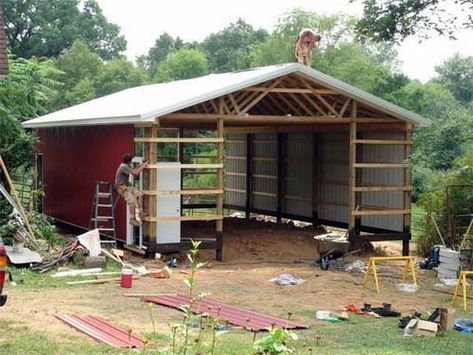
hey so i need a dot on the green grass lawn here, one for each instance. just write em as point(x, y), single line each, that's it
point(359, 335)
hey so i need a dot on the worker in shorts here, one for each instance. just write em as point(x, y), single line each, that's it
point(133, 198)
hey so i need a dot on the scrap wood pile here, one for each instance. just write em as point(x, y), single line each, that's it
point(58, 257)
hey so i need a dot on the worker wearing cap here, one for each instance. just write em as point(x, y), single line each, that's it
point(127, 191)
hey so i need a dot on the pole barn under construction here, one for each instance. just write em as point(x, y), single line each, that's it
point(287, 141)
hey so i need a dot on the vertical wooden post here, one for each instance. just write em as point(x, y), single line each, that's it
point(220, 180)
point(145, 185)
point(280, 174)
point(352, 172)
point(407, 194)
point(249, 173)
point(180, 158)
point(358, 182)
point(315, 178)
point(152, 186)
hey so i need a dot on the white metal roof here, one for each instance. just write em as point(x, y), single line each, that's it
point(145, 103)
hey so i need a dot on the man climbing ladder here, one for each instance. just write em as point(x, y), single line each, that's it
point(127, 191)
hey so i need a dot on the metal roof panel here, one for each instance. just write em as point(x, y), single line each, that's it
point(145, 103)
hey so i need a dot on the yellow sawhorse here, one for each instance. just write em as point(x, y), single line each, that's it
point(409, 268)
point(462, 281)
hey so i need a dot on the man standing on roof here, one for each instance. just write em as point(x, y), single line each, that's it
point(127, 191)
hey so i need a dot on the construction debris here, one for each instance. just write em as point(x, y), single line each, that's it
point(18, 254)
point(59, 257)
point(95, 261)
point(103, 331)
point(286, 279)
point(77, 272)
point(408, 288)
point(464, 325)
point(238, 316)
point(97, 281)
point(161, 274)
point(421, 327)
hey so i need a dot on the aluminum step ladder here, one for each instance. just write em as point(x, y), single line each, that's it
point(103, 213)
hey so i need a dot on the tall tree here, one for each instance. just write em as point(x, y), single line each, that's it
point(163, 45)
point(44, 28)
point(230, 48)
point(26, 93)
point(456, 74)
point(118, 74)
point(394, 20)
point(183, 64)
point(80, 67)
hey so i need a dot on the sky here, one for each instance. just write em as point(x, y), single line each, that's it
point(142, 21)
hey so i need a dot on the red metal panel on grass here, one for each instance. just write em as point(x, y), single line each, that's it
point(238, 316)
point(102, 331)
point(73, 159)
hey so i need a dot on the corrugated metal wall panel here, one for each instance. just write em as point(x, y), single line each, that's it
point(235, 169)
point(390, 199)
point(73, 159)
point(333, 157)
point(264, 188)
point(298, 171)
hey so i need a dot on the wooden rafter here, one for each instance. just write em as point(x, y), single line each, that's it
point(260, 96)
point(236, 108)
point(301, 104)
point(247, 99)
point(214, 106)
point(289, 104)
point(344, 107)
point(314, 104)
point(277, 104)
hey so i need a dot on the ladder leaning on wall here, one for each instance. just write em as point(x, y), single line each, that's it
point(103, 213)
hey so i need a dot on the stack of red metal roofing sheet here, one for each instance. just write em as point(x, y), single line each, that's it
point(227, 313)
point(103, 331)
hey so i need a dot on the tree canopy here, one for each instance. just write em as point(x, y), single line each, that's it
point(46, 28)
point(394, 20)
point(183, 64)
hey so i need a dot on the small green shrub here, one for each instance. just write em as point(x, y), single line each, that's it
point(276, 342)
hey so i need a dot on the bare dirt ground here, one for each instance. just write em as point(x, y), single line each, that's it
point(254, 252)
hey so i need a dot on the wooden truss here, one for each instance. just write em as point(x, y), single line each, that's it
point(285, 104)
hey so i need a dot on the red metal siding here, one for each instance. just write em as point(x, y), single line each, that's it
point(238, 316)
point(102, 331)
point(73, 159)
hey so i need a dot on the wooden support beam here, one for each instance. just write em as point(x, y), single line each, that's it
point(344, 108)
point(249, 173)
point(383, 141)
point(352, 177)
point(276, 103)
point(260, 96)
point(236, 108)
point(268, 119)
point(184, 218)
point(281, 141)
point(152, 184)
point(407, 193)
point(314, 105)
point(289, 104)
point(178, 140)
point(301, 104)
point(184, 192)
point(220, 181)
point(385, 212)
point(381, 165)
point(382, 188)
point(185, 166)
point(352, 171)
point(291, 90)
